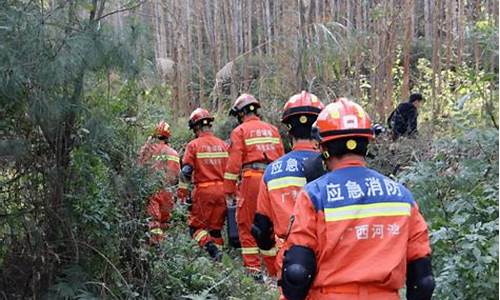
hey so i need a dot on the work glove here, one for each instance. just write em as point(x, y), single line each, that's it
point(186, 202)
point(378, 129)
point(230, 200)
point(182, 194)
point(189, 203)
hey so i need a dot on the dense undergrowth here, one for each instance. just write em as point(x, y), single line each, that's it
point(175, 269)
point(453, 178)
point(180, 269)
point(457, 190)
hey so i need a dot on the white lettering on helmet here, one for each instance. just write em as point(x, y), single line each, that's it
point(350, 121)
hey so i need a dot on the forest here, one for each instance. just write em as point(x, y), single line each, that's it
point(83, 84)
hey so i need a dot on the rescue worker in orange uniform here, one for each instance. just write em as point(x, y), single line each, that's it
point(160, 157)
point(355, 234)
point(203, 164)
point(254, 144)
point(284, 178)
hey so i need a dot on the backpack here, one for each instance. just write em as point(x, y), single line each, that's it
point(391, 121)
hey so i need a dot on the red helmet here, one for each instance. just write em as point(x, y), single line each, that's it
point(243, 101)
point(304, 103)
point(344, 118)
point(162, 129)
point(199, 115)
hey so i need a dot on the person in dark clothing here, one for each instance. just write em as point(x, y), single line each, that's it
point(315, 167)
point(403, 120)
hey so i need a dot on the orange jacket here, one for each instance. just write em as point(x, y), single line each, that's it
point(281, 184)
point(146, 151)
point(161, 157)
point(207, 154)
point(363, 227)
point(252, 141)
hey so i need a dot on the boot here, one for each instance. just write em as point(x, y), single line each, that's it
point(213, 251)
point(258, 277)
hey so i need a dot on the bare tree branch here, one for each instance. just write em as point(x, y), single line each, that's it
point(123, 9)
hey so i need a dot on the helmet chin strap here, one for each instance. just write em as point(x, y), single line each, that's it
point(325, 154)
point(163, 139)
point(240, 117)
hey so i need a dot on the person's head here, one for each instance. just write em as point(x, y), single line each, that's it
point(299, 113)
point(345, 129)
point(244, 105)
point(416, 99)
point(162, 131)
point(200, 120)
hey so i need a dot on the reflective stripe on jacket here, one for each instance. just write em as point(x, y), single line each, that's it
point(282, 181)
point(252, 141)
point(161, 157)
point(207, 154)
point(363, 227)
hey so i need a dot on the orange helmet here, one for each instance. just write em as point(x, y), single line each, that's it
point(199, 115)
point(243, 101)
point(162, 129)
point(343, 118)
point(304, 103)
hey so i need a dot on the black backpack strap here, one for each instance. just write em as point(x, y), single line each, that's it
point(314, 168)
point(389, 120)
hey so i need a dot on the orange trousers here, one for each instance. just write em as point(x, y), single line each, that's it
point(159, 207)
point(247, 204)
point(353, 292)
point(280, 255)
point(208, 212)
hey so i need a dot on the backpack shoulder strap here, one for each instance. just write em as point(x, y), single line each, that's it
point(391, 116)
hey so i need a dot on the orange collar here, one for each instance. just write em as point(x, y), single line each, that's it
point(250, 118)
point(349, 162)
point(304, 146)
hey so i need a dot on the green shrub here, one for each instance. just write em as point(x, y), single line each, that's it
point(457, 190)
point(179, 268)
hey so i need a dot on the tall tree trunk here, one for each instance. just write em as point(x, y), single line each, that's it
point(268, 26)
point(428, 13)
point(477, 49)
point(333, 8)
point(259, 31)
point(217, 36)
point(409, 8)
point(241, 26)
point(201, 56)
point(316, 11)
point(449, 30)
point(300, 74)
point(209, 22)
point(494, 54)
point(188, 60)
point(226, 30)
point(357, 54)
point(436, 68)
point(176, 80)
point(377, 40)
point(170, 30)
point(460, 31)
point(231, 42)
point(327, 11)
point(359, 18)
point(160, 33)
point(349, 13)
point(248, 50)
point(234, 4)
point(390, 58)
